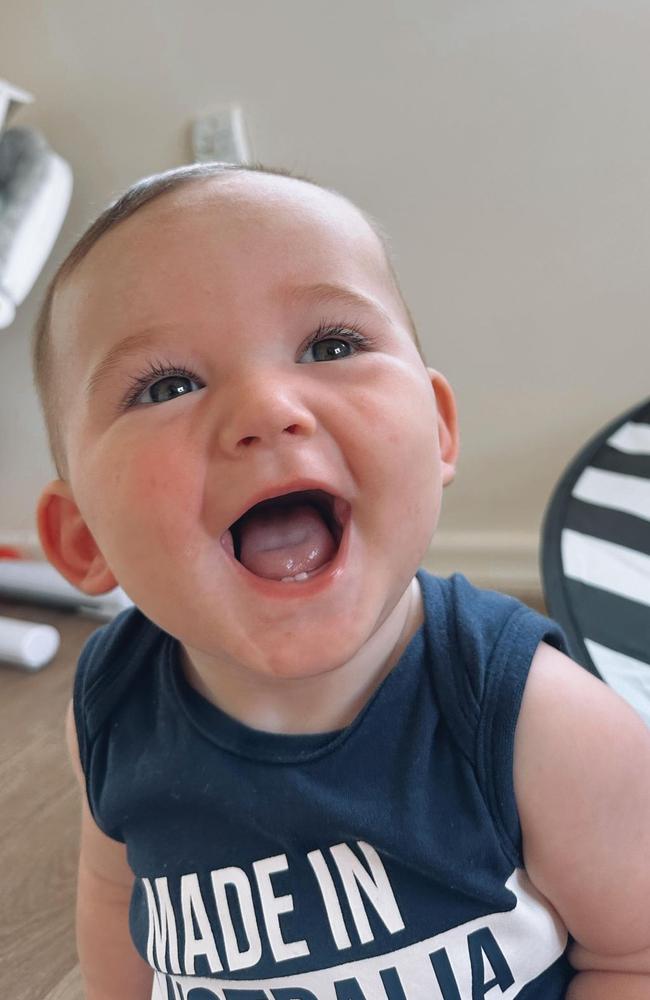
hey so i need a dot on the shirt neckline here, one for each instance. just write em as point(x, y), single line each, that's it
point(237, 738)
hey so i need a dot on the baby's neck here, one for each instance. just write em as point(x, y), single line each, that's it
point(322, 703)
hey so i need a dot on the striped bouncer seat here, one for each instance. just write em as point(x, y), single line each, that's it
point(595, 556)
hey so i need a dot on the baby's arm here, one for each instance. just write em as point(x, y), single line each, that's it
point(582, 782)
point(111, 967)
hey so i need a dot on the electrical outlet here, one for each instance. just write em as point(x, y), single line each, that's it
point(220, 135)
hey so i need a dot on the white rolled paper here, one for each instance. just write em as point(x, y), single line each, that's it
point(27, 644)
point(39, 583)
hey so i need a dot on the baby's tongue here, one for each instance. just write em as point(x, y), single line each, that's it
point(284, 540)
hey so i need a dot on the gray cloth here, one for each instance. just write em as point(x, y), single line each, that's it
point(23, 169)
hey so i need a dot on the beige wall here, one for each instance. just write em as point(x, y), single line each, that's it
point(505, 147)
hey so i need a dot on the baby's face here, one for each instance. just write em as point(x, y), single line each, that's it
point(233, 342)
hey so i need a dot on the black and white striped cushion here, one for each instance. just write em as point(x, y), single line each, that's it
point(596, 556)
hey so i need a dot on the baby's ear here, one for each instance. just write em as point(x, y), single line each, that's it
point(68, 543)
point(448, 432)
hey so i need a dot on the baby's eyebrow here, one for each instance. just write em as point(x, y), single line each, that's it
point(324, 292)
point(317, 294)
point(132, 344)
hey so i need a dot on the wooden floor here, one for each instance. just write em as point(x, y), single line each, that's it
point(39, 807)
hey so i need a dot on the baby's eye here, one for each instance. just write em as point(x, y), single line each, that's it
point(166, 388)
point(329, 349)
point(160, 384)
point(331, 344)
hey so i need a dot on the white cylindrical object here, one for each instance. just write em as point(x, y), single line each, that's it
point(27, 579)
point(27, 644)
point(39, 583)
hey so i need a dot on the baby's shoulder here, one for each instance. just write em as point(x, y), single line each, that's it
point(475, 621)
point(581, 765)
point(481, 644)
point(111, 662)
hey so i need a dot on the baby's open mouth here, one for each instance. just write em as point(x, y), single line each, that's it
point(289, 537)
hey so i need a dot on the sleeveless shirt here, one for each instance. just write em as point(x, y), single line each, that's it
point(379, 862)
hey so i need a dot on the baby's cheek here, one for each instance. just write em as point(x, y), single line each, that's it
point(421, 474)
point(406, 481)
point(132, 494)
point(163, 488)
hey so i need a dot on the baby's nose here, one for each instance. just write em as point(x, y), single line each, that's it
point(261, 411)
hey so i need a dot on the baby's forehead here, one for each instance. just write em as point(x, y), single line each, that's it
point(243, 203)
point(241, 208)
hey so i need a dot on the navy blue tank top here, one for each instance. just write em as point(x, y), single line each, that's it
point(380, 862)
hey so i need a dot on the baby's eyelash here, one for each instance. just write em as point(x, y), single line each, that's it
point(351, 332)
point(150, 374)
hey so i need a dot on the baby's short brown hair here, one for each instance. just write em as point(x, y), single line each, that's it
point(138, 195)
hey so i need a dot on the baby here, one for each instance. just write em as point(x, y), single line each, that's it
point(311, 771)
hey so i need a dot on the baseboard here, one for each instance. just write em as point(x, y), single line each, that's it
point(500, 560)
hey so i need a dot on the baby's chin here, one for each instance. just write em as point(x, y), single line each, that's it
point(293, 658)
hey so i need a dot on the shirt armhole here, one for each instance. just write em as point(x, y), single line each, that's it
point(104, 673)
point(506, 674)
